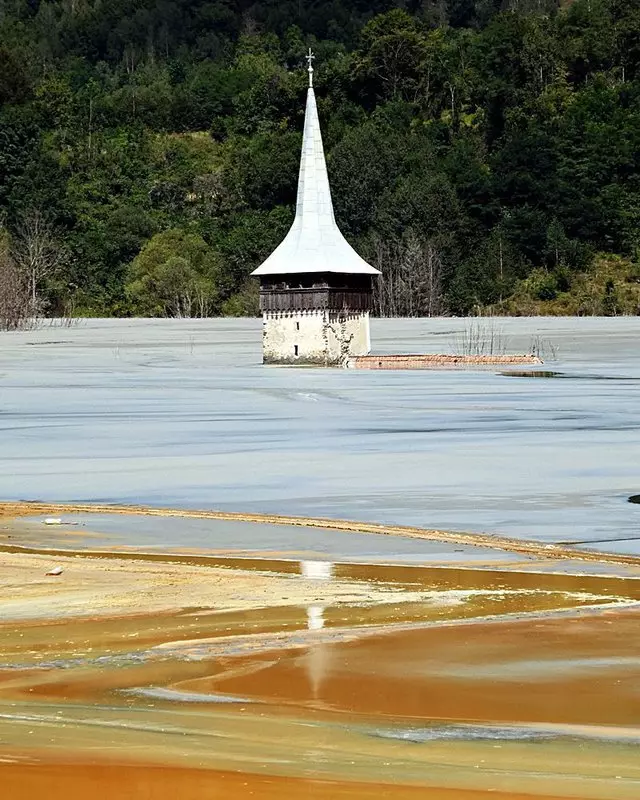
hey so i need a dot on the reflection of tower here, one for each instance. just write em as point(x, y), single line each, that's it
point(316, 570)
point(315, 290)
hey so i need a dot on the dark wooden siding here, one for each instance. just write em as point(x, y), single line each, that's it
point(308, 292)
point(314, 300)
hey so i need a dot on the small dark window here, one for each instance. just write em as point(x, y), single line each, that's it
point(295, 349)
point(297, 326)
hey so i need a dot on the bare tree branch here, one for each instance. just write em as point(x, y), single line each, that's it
point(411, 280)
point(37, 254)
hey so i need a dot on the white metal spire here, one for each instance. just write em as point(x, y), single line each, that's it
point(314, 242)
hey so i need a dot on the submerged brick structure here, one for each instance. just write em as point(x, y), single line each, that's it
point(437, 361)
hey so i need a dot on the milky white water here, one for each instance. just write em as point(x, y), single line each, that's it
point(182, 413)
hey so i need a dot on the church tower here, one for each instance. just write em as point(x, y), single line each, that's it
point(315, 290)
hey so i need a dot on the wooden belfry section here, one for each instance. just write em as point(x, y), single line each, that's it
point(315, 290)
point(282, 293)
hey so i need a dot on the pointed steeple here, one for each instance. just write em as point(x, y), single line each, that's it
point(314, 242)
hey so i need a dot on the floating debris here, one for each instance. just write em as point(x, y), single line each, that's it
point(55, 571)
point(53, 521)
point(540, 373)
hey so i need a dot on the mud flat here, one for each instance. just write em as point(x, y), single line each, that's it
point(164, 674)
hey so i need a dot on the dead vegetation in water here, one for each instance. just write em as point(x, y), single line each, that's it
point(481, 336)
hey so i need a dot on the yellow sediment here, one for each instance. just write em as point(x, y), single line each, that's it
point(76, 781)
point(399, 648)
point(110, 585)
point(13, 509)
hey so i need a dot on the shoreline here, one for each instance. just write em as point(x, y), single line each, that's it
point(14, 509)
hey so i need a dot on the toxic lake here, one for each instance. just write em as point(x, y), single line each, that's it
point(219, 579)
point(182, 413)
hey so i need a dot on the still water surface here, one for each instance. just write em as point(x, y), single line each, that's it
point(181, 413)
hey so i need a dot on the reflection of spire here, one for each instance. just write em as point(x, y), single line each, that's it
point(318, 657)
point(310, 59)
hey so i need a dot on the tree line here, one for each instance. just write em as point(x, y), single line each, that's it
point(482, 153)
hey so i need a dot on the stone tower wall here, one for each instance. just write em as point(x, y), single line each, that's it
point(321, 337)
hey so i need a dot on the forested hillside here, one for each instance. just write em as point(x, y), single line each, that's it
point(481, 152)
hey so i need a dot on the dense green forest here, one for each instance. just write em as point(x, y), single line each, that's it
point(482, 153)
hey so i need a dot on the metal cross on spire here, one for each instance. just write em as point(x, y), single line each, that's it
point(310, 58)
